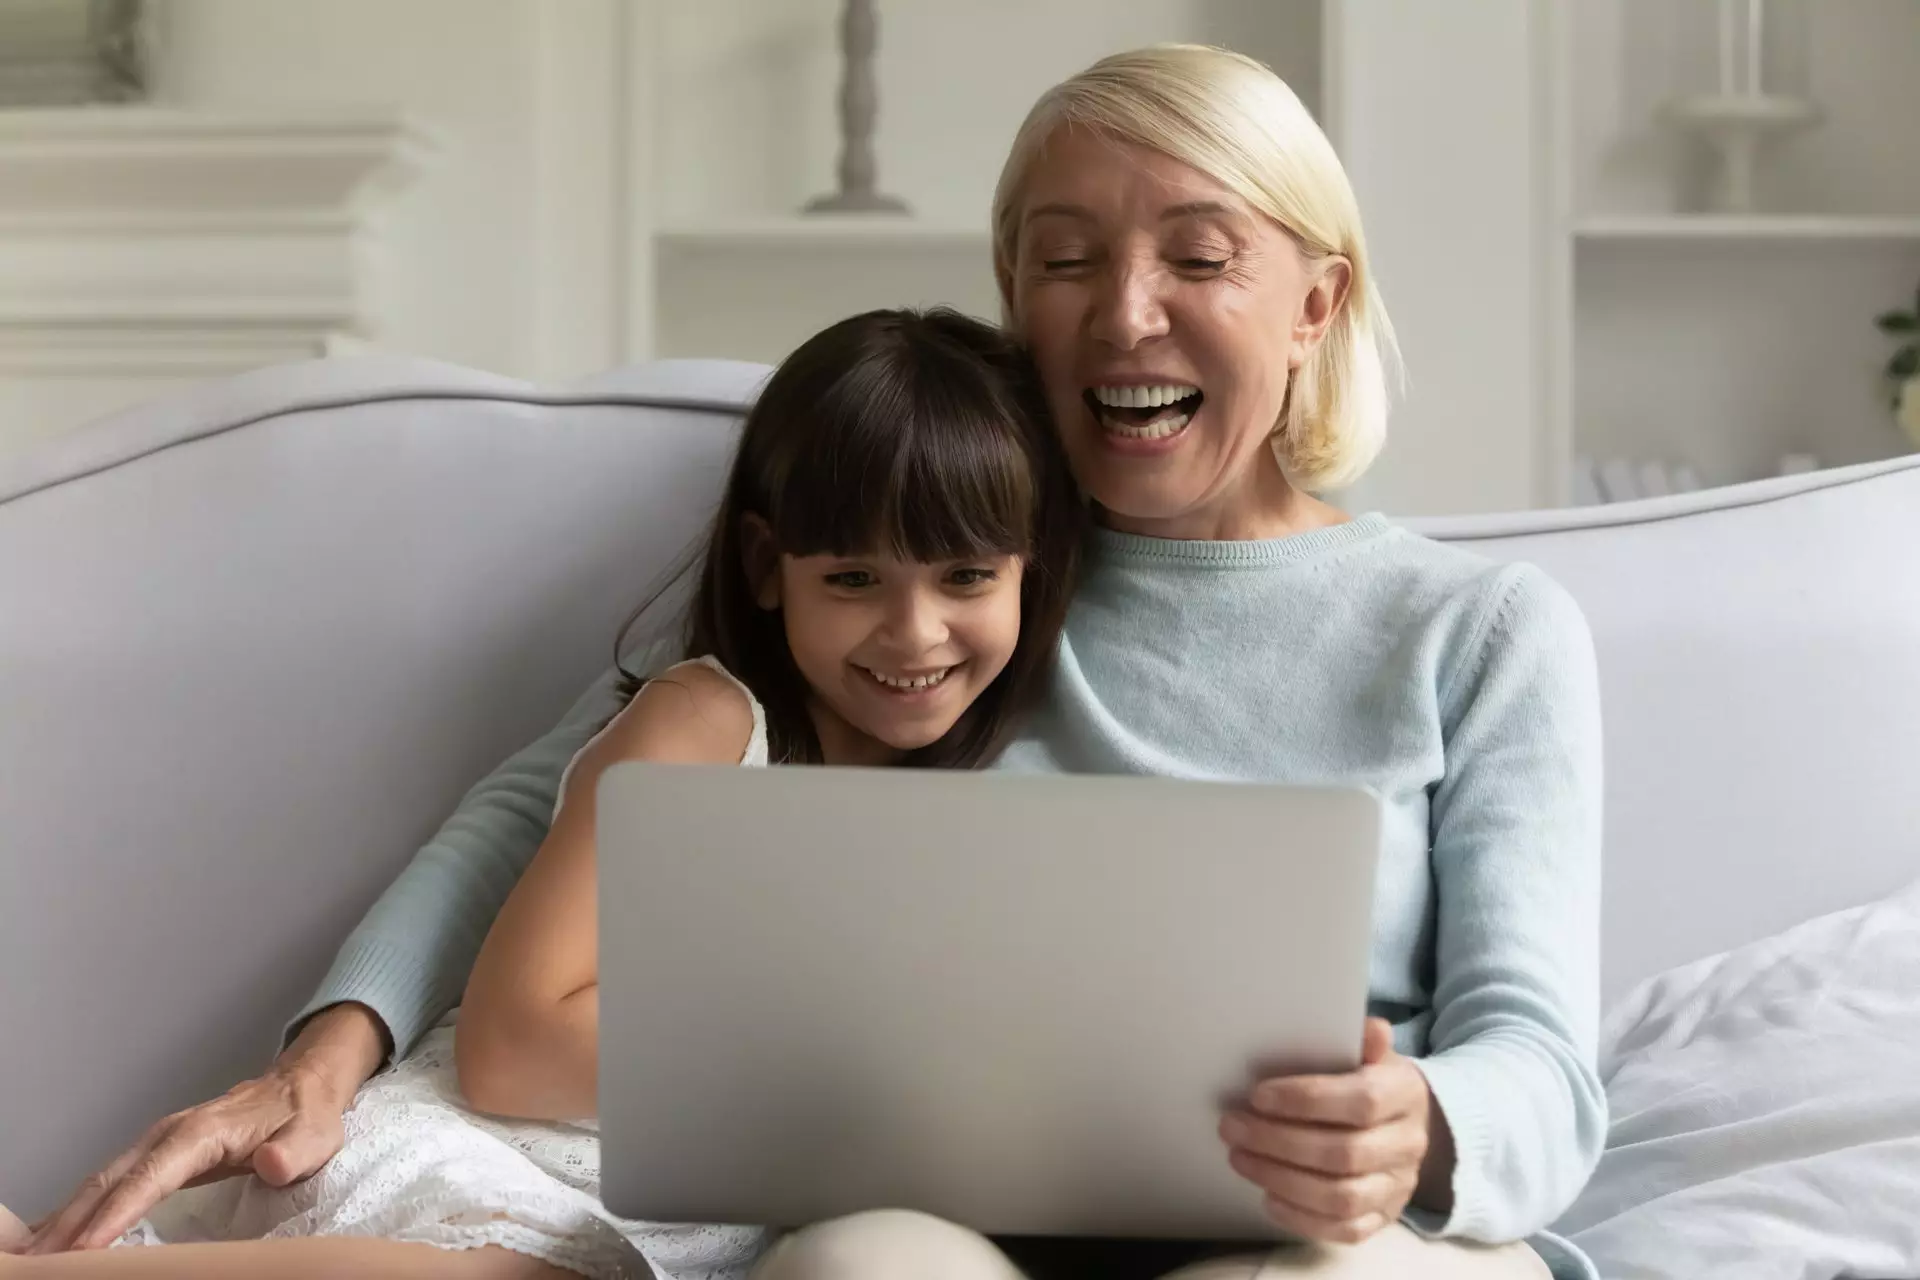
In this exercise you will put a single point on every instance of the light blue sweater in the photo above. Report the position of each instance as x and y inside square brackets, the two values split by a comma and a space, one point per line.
[1461, 691]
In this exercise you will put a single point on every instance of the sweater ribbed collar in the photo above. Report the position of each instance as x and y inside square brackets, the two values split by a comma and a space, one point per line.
[1295, 548]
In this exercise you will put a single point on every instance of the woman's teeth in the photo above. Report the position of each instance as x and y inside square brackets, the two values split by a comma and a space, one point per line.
[1142, 397]
[909, 683]
[1158, 429]
[1145, 413]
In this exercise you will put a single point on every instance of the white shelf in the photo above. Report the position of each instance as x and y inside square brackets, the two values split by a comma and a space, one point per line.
[820, 230]
[1749, 228]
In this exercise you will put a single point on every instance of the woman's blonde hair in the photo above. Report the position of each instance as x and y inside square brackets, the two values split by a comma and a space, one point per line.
[1233, 119]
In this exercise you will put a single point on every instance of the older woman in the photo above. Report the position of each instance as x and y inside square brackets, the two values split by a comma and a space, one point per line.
[1175, 240]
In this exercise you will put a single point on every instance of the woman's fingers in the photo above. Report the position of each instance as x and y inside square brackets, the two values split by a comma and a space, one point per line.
[1375, 1094]
[1331, 1197]
[313, 1137]
[1313, 1226]
[57, 1231]
[1337, 1156]
[1328, 1149]
[196, 1147]
[217, 1139]
[116, 1198]
[1376, 1042]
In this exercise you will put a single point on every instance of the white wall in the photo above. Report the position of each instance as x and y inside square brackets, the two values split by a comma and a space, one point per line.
[500, 254]
[1433, 109]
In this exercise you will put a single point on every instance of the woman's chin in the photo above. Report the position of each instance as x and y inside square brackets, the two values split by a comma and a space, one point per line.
[1142, 486]
[1142, 508]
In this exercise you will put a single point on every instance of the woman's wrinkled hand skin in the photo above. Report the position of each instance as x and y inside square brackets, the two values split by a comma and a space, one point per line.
[282, 1125]
[1340, 1156]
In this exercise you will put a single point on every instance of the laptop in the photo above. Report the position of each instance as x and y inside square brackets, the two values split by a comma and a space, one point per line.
[1017, 1002]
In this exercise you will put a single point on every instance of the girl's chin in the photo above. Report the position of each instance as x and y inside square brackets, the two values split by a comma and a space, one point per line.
[895, 738]
[897, 735]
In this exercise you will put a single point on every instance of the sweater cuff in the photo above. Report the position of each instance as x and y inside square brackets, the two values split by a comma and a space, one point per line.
[403, 993]
[1456, 1087]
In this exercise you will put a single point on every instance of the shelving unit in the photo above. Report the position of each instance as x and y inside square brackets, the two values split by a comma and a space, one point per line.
[739, 133]
[1754, 229]
[1726, 342]
[799, 232]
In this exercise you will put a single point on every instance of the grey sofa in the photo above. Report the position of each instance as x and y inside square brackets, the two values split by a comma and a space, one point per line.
[256, 641]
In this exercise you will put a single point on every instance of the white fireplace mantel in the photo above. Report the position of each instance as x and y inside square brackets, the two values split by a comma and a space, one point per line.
[142, 247]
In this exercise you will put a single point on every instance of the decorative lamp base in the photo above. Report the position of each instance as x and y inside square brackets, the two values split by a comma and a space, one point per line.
[1736, 127]
[857, 202]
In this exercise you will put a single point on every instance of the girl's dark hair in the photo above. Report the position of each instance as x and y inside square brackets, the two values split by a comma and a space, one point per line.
[919, 434]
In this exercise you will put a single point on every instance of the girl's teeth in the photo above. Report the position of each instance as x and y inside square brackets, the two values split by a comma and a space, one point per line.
[1157, 430]
[910, 682]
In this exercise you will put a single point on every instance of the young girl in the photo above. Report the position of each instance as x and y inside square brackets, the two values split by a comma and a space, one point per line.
[884, 584]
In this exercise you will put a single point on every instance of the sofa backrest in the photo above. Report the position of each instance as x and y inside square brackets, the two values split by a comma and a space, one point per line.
[1759, 652]
[256, 641]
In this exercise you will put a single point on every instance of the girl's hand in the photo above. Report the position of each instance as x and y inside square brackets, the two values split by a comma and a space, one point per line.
[1340, 1156]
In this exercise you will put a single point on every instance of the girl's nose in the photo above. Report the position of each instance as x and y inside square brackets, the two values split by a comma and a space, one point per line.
[914, 623]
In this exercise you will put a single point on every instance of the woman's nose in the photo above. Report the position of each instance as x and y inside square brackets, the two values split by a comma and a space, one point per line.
[1127, 307]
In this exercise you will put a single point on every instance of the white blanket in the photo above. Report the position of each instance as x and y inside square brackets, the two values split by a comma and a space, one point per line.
[1766, 1111]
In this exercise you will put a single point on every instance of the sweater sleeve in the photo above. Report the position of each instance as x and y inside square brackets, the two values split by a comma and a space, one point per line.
[1516, 864]
[409, 959]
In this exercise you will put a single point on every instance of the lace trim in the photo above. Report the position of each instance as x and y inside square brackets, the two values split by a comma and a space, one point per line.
[418, 1166]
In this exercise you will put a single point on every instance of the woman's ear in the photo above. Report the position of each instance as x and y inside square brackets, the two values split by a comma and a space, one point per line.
[760, 559]
[1325, 298]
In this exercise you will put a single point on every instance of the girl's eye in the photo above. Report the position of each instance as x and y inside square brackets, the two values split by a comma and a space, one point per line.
[971, 577]
[850, 579]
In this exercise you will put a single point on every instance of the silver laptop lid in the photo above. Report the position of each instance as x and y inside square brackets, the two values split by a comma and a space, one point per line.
[1017, 1002]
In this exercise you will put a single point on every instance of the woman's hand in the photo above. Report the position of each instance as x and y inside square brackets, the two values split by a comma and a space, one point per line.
[1340, 1156]
[282, 1125]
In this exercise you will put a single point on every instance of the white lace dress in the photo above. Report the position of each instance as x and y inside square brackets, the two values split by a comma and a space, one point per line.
[419, 1166]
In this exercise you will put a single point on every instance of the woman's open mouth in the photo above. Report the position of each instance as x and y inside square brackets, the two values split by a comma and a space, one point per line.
[1143, 413]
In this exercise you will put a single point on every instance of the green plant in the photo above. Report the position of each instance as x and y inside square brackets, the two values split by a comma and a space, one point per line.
[1905, 327]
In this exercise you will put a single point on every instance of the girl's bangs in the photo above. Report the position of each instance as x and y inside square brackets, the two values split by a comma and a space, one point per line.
[932, 483]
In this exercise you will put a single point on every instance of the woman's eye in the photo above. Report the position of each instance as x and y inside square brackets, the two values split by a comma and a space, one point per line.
[1065, 257]
[1201, 264]
[850, 579]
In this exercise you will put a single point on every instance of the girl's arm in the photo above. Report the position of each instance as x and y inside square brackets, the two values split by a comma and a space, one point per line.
[529, 1031]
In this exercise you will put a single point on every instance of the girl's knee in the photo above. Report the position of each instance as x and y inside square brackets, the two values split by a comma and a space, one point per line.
[882, 1245]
